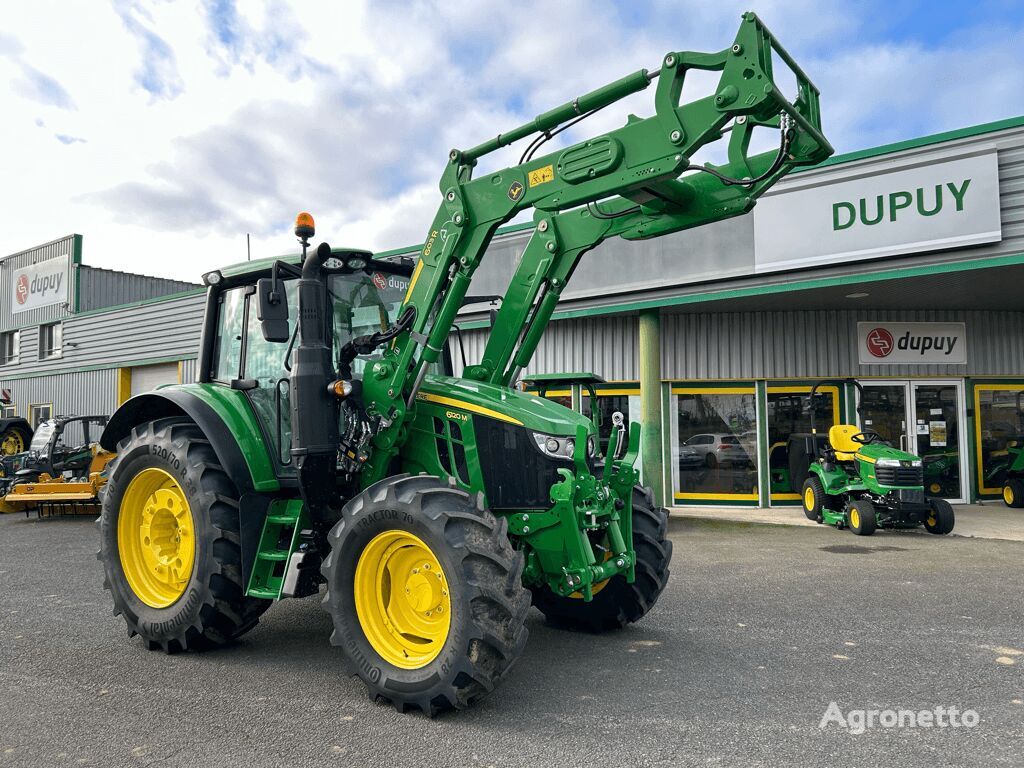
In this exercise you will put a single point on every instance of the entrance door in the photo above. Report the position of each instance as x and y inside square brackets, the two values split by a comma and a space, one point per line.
[924, 418]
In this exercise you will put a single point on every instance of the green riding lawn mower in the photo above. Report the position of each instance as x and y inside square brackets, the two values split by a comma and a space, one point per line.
[856, 480]
[1008, 467]
[326, 449]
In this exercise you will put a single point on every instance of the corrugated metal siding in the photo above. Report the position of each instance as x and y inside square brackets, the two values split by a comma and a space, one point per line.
[162, 330]
[807, 344]
[605, 345]
[64, 247]
[99, 288]
[189, 370]
[85, 393]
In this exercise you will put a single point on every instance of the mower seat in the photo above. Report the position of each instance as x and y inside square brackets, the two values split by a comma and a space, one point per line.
[839, 438]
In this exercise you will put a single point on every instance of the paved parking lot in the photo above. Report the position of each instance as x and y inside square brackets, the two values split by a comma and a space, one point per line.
[761, 627]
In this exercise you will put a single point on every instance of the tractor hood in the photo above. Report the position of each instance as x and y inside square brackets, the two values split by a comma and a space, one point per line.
[535, 413]
[873, 453]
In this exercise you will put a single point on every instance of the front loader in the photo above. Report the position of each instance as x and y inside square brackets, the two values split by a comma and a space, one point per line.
[325, 448]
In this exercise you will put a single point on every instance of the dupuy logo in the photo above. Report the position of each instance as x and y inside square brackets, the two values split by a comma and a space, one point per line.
[380, 281]
[21, 292]
[879, 342]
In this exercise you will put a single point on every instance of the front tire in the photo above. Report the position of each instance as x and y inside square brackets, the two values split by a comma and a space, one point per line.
[862, 517]
[617, 603]
[169, 541]
[425, 594]
[941, 520]
[1013, 493]
[14, 440]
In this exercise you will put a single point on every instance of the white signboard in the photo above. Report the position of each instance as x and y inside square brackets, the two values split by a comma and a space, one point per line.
[903, 343]
[40, 285]
[907, 209]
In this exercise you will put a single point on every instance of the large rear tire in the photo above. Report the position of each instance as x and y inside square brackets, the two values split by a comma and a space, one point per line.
[425, 594]
[14, 440]
[814, 499]
[169, 541]
[617, 603]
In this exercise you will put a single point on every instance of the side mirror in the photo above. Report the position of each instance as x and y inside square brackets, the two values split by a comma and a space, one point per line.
[273, 309]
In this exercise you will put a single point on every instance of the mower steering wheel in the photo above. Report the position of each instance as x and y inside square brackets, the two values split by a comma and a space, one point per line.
[867, 437]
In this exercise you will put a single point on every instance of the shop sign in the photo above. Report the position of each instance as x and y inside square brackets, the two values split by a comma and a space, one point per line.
[910, 343]
[887, 212]
[40, 285]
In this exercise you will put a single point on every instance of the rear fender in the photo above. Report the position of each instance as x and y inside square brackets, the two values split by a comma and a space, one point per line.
[224, 416]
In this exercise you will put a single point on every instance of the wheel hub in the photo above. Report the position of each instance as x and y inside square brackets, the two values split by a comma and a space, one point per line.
[402, 600]
[156, 538]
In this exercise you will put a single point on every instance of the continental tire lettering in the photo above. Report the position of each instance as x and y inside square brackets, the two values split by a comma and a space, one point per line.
[368, 669]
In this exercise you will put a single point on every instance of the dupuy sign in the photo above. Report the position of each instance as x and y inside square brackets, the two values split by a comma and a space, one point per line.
[883, 343]
[821, 219]
[40, 285]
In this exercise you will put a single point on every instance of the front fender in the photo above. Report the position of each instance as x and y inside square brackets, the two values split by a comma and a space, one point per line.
[226, 419]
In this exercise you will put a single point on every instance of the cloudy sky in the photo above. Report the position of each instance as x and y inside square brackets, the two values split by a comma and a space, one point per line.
[165, 131]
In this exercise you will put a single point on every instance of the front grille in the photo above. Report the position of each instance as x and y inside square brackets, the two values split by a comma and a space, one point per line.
[517, 474]
[899, 475]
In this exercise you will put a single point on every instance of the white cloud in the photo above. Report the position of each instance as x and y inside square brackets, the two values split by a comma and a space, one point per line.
[182, 126]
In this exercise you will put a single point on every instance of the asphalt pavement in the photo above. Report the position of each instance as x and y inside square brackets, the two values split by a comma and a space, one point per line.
[760, 630]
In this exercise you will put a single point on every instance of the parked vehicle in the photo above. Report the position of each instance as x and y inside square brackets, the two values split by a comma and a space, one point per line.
[717, 449]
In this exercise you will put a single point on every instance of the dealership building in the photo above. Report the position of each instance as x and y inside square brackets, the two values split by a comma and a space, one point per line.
[891, 275]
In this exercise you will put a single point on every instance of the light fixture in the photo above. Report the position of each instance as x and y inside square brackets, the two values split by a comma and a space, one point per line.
[859, 295]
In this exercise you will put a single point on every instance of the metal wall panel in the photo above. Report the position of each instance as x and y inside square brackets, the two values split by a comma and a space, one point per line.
[85, 393]
[604, 345]
[151, 332]
[189, 371]
[65, 247]
[100, 288]
[771, 345]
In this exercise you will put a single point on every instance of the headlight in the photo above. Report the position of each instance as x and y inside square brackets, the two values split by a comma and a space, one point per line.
[887, 463]
[591, 446]
[916, 463]
[559, 447]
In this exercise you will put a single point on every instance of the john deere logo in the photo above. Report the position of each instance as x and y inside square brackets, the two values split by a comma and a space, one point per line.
[515, 191]
[898, 205]
[880, 342]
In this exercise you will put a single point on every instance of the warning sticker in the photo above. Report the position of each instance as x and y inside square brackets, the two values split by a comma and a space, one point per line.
[542, 175]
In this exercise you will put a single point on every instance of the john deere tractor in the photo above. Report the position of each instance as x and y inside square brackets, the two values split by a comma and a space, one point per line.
[326, 450]
[857, 480]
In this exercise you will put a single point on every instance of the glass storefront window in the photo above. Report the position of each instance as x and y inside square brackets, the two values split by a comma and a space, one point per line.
[999, 425]
[714, 443]
[788, 413]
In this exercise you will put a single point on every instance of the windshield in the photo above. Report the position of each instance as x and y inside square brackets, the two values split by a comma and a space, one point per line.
[364, 304]
[41, 438]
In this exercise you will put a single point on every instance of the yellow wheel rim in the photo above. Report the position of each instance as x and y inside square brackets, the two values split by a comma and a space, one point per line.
[854, 518]
[808, 499]
[935, 489]
[1007, 494]
[156, 538]
[931, 521]
[402, 600]
[12, 444]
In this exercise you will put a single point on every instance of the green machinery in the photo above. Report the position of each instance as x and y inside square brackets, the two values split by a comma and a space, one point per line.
[856, 480]
[324, 445]
[1008, 470]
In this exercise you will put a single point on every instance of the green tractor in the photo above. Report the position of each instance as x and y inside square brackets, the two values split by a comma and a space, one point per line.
[326, 449]
[857, 480]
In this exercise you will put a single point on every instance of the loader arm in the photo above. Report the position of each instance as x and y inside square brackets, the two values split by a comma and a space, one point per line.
[634, 182]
